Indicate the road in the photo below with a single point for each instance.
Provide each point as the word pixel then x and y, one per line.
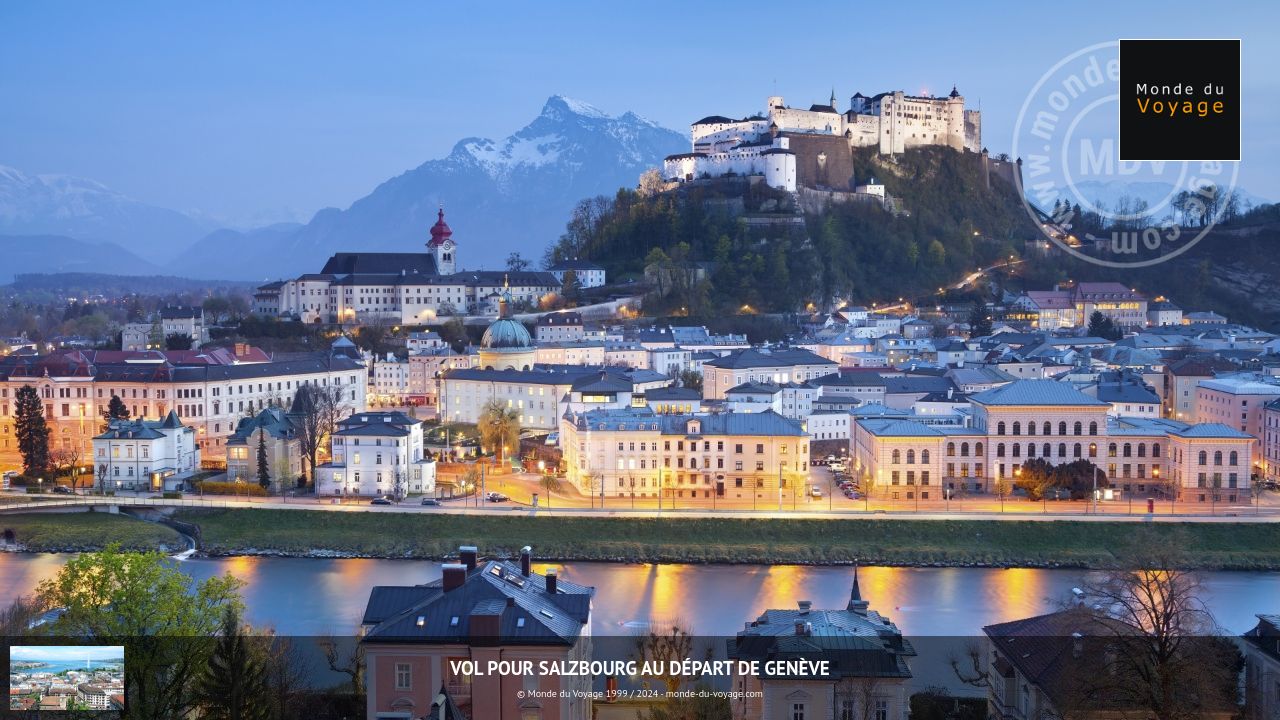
pixel 567 502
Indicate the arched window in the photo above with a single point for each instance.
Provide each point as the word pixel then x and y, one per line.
pixel 1048 429
pixel 1017 450
pixel 924 457
pixel 964 449
pixel 1076 451
pixel 951 449
pixel 1204 457
pixel 1217 457
pixel 1235 458
pixel 897 456
pixel 1062 450
pixel 1079 428
pixel 1093 428
pixel 977 449
pixel 1128 450
pixel 1031 448
pixel 1047 451
pixel 1017 428
pixel 1142 450
pixel 1000 428
pixel 1000 450
pixel 1111 450
pixel 1093 450
pixel 911 457
pixel 1155 450
pixel 1031 428
pixel 1062 428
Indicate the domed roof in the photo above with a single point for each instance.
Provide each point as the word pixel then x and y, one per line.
pixel 440 231
pixel 506 333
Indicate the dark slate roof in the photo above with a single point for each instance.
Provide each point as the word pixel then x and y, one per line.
pixel 604 382
pixel 273 421
pixel 851 379
pixel 672 393
pixel 536 376
pixel 715 120
pixel 1127 392
pixel 923 384
pixel 529 615
pixel 346 263
pixel 382 424
pixel 1265 636
pixel 560 319
pixel 752 358
pixel 822 108
pixel 767 423
pixel 181 313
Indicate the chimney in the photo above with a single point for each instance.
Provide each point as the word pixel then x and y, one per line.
pixel 1077 645
pixel 802 627
pixel 455 576
pixel 526 560
pixel 551 577
pixel 804 606
pixel 467 556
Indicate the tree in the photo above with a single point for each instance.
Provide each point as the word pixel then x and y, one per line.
pixel 549 482
pixel 666 646
pixel 1104 327
pixel 316 412
pixel 499 427
pixel 234 685
pixel 115 410
pixel 178 341
pixel 454 332
pixel 570 288
pixel 516 263
pixel 264 472
pixel 166 618
pixel 979 321
pixel 651 183
pixel 691 379
pixel 1164 652
pixel 32 431
pixel 1036 477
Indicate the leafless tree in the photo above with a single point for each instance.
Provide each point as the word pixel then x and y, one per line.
pixel 345 656
pixel 317 410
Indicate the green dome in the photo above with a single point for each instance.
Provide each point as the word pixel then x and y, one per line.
pixel 506 333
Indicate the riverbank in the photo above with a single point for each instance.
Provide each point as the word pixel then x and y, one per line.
pixel 961 543
pixel 82 531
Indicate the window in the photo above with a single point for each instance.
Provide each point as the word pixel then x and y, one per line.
pixel 797 711
pixel 1079 428
pixel 924 457
pixel 951 449
pixel 1017 428
pixel 1047 428
pixel 404 677
pixel 1000 428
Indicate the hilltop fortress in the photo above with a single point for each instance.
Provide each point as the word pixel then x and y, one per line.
pixel 812 148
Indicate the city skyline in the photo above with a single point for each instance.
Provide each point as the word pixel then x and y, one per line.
pixel 252 115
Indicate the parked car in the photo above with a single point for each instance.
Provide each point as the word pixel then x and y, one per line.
pixel 815 492
pixel 431 502
pixel 63 490
pixel 496 497
pixel 381 501
pixel 851 494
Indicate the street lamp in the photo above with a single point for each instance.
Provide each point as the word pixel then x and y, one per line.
pixel 1093 452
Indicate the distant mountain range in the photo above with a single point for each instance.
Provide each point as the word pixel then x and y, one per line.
pixel 499 196
pixel 93 213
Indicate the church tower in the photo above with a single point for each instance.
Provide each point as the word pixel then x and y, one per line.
pixel 442 246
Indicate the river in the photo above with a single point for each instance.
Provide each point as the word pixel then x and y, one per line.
pixel 299 596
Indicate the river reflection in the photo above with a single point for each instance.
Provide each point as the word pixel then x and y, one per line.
pixel 300 596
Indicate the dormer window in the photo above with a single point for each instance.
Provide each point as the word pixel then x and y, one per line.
pixel 693 427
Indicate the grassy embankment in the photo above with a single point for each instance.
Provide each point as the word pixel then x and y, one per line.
pixel 700 540
pixel 56 532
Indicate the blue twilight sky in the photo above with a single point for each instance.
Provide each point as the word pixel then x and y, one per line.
pixel 257 111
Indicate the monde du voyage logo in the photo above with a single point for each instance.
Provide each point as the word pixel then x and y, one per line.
pixel 1161 115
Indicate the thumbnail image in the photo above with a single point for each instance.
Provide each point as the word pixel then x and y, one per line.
pixel 66 677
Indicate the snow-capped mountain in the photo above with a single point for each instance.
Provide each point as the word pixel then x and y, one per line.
pixel 499 196
pixel 93 213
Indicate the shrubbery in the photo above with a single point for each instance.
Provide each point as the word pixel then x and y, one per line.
pixel 231 488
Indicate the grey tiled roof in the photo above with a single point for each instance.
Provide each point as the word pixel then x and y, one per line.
pixel 529 614
pixel 1035 392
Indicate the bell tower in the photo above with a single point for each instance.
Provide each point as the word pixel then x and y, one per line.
pixel 442 247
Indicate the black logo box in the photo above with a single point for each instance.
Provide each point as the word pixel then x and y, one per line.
pixel 1188 65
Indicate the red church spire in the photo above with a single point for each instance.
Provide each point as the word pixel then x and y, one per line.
pixel 440 231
